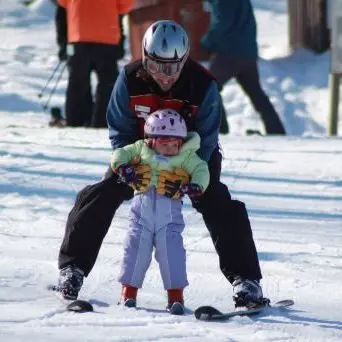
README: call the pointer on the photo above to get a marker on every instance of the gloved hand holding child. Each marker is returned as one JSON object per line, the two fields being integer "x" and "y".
{"x": 134, "y": 174}
{"x": 169, "y": 183}
{"x": 192, "y": 190}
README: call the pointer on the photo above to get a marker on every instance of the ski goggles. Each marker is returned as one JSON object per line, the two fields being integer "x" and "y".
{"x": 167, "y": 140}
{"x": 167, "y": 68}
{"x": 170, "y": 141}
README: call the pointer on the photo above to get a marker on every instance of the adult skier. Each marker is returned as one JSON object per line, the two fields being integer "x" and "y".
{"x": 165, "y": 77}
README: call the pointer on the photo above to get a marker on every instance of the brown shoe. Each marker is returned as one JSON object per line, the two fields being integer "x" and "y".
{"x": 175, "y": 301}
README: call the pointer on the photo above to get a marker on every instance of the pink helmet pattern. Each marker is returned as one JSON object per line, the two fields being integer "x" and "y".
{"x": 165, "y": 123}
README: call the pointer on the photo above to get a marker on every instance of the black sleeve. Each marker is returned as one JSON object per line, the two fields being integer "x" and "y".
{"x": 61, "y": 26}
{"x": 122, "y": 41}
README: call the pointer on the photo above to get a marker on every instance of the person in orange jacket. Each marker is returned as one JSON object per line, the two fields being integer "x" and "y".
{"x": 93, "y": 44}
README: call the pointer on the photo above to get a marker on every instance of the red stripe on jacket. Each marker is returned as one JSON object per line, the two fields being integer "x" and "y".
{"x": 144, "y": 105}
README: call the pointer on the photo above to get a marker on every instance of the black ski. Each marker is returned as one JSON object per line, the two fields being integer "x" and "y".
{"x": 250, "y": 131}
{"x": 77, "y": 305}
{"x": 209, "y": 313}
{"x": 80, "y": 306}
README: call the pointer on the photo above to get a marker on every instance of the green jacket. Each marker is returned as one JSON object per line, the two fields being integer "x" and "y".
{"x": 187, "y": 159}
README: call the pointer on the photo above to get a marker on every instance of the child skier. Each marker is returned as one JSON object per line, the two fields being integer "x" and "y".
{"x": 156, "y": 220}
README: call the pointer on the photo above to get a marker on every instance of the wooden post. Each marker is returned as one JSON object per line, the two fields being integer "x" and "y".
{"x": 335, "y": 64}
{"x": 308, "y": 25}
{"x": 334, "y": 84}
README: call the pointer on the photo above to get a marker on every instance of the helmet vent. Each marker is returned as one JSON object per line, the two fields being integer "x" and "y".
{"x": 172, "y": 122}
{"x": 164, "y": 45}
{"x": 154, "y": 28}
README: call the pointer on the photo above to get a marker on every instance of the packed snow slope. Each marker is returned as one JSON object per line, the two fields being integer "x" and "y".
{"x": 291, "y": 186}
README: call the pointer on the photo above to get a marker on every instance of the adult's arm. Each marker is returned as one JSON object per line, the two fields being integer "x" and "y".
{"x": 122, "y": 121}
{"x": 61, "y": 26}
{"x": 222, "y": 20}
{"x": 208, "y": 121}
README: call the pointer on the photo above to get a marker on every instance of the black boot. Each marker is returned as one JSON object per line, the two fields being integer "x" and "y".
{"x": 70, "y": 281}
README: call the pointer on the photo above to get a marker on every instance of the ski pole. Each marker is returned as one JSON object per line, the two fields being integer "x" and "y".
{"x": 49, "y": 80}
{"x": 54, "y": 88}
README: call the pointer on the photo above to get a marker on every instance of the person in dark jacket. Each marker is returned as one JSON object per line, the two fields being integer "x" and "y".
{"x": 89, "y": 37}
{"x": 164, "y": 78}
{"x": 232, "y": 40}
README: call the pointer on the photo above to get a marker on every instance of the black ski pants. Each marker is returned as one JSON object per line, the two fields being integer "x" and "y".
{"x": 246, "y": 73}
{"x": 80, "y": 109}
{"x": 226, "y": 219}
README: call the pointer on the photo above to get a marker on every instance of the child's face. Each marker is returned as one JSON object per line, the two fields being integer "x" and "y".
{"x": 167, "y": 146}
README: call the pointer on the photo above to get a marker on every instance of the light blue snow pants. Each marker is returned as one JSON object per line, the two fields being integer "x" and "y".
{"x": 155, "y": 221}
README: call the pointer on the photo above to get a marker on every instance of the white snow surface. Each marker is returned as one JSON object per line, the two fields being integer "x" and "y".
{"x": 292, "y": 187}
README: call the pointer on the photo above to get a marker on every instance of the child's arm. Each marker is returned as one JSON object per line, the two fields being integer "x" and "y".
{"x": 198, "y": 171}
{"x": 125, "y": 162}
{"x": 126, "y": 154}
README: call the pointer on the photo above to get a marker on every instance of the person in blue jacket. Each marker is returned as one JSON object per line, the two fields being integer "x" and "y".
{"x": 165, "y": 77}
{"x": 232, "y": 40}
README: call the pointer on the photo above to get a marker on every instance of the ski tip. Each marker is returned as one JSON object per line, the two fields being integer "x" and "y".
{"x": 80, "y": 306}
{"x": 253, "y": 132}
{"x": 205, "y": 313}
{"x": 283, "y": 303}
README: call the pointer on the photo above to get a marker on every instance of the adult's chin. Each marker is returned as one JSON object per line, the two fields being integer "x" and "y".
{"x": 166, "y": 86}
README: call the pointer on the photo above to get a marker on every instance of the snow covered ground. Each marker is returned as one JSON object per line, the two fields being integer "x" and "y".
{"x": 291, "y": 186}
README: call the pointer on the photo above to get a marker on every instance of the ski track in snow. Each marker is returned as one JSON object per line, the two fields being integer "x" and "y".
{"x": 295, "y": 224}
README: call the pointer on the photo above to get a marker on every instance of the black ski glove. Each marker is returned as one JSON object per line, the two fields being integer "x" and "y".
{"x": 121, "y": 45}
{"x": 62, "y": 53}
{"x": 192, "y": 190}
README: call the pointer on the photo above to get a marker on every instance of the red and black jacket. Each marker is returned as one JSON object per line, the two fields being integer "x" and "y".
{"x": 136, "y": 95}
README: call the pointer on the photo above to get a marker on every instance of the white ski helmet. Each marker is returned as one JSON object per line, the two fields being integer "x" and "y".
{"x": 165, "y": 123}
{"x": 166, "y": 41}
